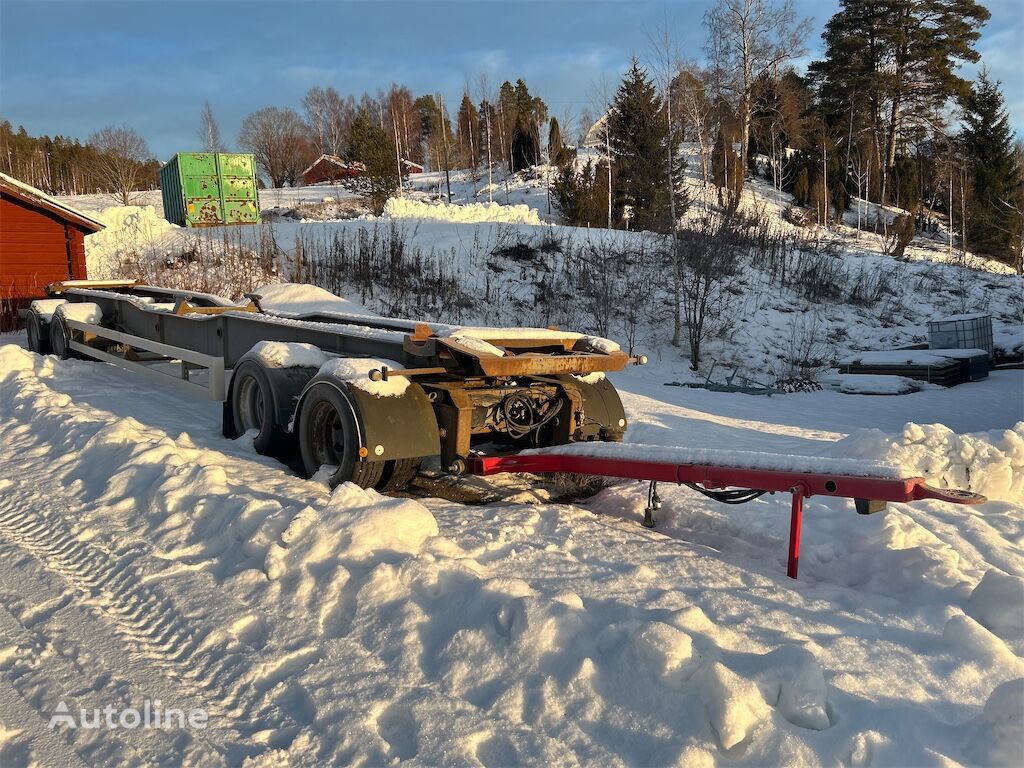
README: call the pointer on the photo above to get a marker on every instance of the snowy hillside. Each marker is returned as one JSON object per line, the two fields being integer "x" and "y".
{"x": 828, "y": 294}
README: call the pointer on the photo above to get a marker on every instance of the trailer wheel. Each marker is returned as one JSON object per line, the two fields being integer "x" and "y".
{"x": 38, "y": 333}
{"x": 252, "y": 407}
{"x": 398, "y": 473}
{"x": 60, "y": 339}
{"x": 328, "y": 436}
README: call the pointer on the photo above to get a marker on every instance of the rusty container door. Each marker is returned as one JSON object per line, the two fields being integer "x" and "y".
{"x": 201, "y": 187}
{"x": 239, "y": 196}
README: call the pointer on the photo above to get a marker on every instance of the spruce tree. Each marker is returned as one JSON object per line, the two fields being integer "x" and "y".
{"x": 373, "y": 146}
{"x": 639, "y": 137}
{"x": 989, "y": 143}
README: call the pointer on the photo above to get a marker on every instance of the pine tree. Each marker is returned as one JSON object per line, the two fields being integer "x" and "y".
{"x": 890, "y": 64}
{"x": 639, "y": 147}
{"x": 989, "y": 143}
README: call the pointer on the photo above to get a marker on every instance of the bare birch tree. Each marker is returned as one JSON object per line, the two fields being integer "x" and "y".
{"x": 209, "y": 130}
{"x": 280, "y": 141}
{"x": 696, "y": 109}
{"x": 665, "y": 64}
{"x": 748, "y": 39}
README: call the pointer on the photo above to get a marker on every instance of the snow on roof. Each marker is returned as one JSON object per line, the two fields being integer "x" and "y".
{"x": 334, "y": 159}
{"x": 595, "y": 136}
{"x": 31, "y": 194}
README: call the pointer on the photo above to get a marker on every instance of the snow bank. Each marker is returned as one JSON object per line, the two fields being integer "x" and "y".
{"x": 129, "y": 228}
{"x": 735, "y": 707}
{"x": 397, "y": 525}
{"x": 281, "y": 354}
{"x": 1009, "y": 338}
{"x": 356, "y": 370}
{"x": 353, "y": 523}
{"x": 400, "y": 208}
{"x": 990, "y": 463}
{"x": 354, "y": 628}
{"x": 1000, "y": 729}
{"x": 293, "y": 299}
{"x": 998, "y": 604}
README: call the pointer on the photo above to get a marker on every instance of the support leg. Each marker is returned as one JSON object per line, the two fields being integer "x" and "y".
{"x": 795, "y": 520}
{"x": 653, "y": 503}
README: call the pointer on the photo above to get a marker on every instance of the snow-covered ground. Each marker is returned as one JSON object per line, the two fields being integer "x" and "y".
{"x": 144, "y": 556}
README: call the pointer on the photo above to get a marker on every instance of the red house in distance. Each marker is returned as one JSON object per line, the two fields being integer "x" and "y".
{"x": 330, "y": 169}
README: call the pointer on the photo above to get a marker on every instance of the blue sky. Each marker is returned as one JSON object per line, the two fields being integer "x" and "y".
{"x": 73, "y": 67}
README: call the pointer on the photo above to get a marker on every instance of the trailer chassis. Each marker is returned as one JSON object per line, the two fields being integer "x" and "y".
{"x": 534, "y": 392}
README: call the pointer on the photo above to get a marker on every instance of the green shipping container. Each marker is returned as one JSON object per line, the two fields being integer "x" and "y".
{"x": 207, "y": 189}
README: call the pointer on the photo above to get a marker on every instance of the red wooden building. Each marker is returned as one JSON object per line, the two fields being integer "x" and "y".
{"x": 42, "y": 240}
{"x": 331, "y": 169}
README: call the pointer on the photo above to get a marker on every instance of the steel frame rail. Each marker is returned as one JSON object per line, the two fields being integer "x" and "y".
{"x": 800, "y": 485}
{"x": 213, "y": 363}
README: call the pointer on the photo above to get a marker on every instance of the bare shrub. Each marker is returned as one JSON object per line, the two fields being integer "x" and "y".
{"x": 227, "y": 266}
{"x": 805, "y": 355}
{"x": 710, "y": 252}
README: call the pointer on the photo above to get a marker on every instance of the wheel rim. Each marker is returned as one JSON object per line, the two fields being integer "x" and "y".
{"x": 250, "y": 404}
{"x": 327, "y": 435}
{"x": 59, "y": 339}
{"x": 33, "y": 333}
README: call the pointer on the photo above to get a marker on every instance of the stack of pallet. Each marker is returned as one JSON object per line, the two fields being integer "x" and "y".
{"x": 946, "y": 367}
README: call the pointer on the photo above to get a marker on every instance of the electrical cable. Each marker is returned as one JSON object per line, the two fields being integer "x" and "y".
{"x": 734, "y": 496}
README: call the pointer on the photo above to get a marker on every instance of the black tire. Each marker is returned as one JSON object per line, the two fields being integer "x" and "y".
{"x": 252, "y": 407}
{"x": 328, "y": 436}
{"x": 398, "y": 473}
{"x": 60, "y": 339}
{"x": 38, "y": 333}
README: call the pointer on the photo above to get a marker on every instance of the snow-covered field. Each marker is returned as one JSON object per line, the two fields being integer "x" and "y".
{"x": 144, "y": 556}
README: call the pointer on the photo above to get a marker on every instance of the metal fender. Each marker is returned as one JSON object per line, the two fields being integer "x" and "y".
{"x": 396, "y": 427}
{"x": 604, "y": 416}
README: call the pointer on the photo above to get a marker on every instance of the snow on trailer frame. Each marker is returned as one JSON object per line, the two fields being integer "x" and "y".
{"x": 440, "y": 390}
{"x": 459, "y": 388}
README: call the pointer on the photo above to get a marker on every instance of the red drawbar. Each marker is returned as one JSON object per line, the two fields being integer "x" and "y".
{"x": 800, "y": 484}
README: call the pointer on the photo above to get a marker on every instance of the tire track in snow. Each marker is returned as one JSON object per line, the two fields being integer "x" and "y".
{"x": 153, "y": 628}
